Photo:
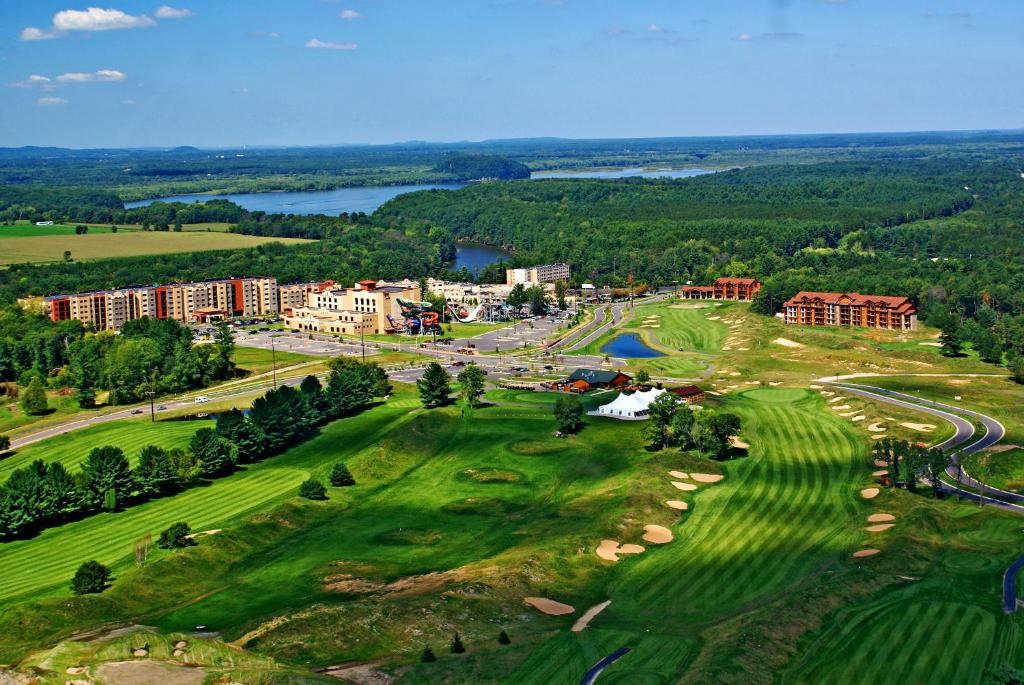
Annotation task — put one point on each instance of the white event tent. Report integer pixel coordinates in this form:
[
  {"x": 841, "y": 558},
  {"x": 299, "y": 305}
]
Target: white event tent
[{"x": 630, "y": 407}]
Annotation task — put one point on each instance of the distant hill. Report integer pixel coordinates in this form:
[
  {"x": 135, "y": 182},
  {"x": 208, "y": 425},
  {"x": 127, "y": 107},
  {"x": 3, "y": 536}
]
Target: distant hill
[{"x": 473, "y": 167}]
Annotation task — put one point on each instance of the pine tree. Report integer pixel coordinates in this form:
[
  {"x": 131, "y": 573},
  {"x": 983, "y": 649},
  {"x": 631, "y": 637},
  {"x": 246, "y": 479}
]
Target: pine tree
[
  {"x": 154, "y": 475},
  {"x": 428, "y": 656},
  {"x": 341, "y": 476},
  {"x": 216, "y": 456},
  {"x": 433, "y": 386},
  {"x": 503, "y": 638},
  {"x": 313, "y": 489},
  {"x": 107, "y": 475},
  {"x": 457, "y": 647}
]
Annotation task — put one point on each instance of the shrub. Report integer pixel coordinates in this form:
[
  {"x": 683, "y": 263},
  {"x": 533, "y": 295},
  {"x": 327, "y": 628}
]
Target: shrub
[
  {"x": 90, "y": 578},
  {"x": 176, "y": 536},
  {"x": 341, "y": 476},
  {"x": 313, "y": 489},
  {"x": 34, "y": 400}
]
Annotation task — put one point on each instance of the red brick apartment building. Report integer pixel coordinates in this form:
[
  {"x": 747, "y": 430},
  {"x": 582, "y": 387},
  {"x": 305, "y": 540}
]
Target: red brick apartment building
[
  {"x": 740, "y": 289},
  {"x": 851, "y": 309}
]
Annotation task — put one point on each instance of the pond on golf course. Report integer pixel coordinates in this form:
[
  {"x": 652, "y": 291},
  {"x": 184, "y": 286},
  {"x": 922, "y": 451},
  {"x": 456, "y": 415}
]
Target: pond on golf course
[{"x": 630, "y": 346}]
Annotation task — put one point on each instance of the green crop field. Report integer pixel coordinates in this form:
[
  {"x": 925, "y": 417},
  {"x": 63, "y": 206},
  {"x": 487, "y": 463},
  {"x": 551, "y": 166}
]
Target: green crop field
[{"x": 100, "y": 245}]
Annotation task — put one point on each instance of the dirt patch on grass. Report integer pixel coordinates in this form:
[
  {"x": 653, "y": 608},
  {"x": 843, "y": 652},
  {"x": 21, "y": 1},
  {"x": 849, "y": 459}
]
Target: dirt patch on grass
[
  {"x": 148, "y": 673},
  {"x": 658, "y": 535},
  {"x": 548, "y": 606},
  {"x": 880, "y": 473},
  {"x": 736, "y": 443},
  {"x": 532, "y": 448},
  {"x": 583, "y": 621},
  {"x": 361, "y": 674}
]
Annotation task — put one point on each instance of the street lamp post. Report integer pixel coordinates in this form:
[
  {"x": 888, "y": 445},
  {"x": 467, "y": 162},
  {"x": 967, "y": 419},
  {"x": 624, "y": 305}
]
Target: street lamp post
[
  {"x": 152, "y": 411},
  {"x": 273, "y": 360}
]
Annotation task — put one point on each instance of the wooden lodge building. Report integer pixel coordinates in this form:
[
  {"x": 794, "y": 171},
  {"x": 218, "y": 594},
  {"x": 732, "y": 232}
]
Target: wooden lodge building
[
  {"x": 850, "y": 309},
  {"x": 739, "y": 289},
  {"x": 582, "y": 380},
  {"x": 688, "y": 393}
]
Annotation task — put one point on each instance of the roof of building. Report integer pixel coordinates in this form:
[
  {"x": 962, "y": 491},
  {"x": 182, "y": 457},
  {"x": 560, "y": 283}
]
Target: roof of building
[
  {"x": 630, "y": 404},
  {"x": 736, "y": 281},
  {"x": 686, "y": 391},
  {"x": 899, "y": 303},
  {"x": 593, "y": 376}
]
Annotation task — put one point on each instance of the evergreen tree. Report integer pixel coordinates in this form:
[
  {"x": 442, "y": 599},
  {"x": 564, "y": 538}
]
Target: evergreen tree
[
  {"x": 428, "y": 656},
  {"x": 456, "y": 646},
  {"x": 313, "y": 489},
  {"x": 341, "y": 476},
  {"x": 234, "y": 427},
  {"x": 108, "y": 476},
  {"x": 314, "y": 395},
  {"x": 60, "y": 495},
  {"x": 569, "y": 413},
  {"x": 951, "y": 338},
  {"x": 90, "y": 578},
  {"x": 221, "y": 361},
  {"x": 33, "y": 400},
  {"x": 176, "y": 536},
  {"x": 471, "y": 382},
  {"x": 433, "y": 386},
  {"x": 5, "y": 443},
  {"x": 216, "y": 456},
  {"x": 503, "y": 638},
  {"x": 154, "y": 475},
  {"x": 351, "y": 386}
]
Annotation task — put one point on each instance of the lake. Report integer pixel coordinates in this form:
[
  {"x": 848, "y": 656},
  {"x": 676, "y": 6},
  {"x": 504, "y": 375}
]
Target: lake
[
  {"x": 629, "y": 346},
  {"x": 475, "y": 257}
]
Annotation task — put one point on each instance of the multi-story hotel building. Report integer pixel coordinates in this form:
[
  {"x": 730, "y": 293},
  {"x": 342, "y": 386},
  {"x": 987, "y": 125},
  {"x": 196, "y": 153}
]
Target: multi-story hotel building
[
  {"x": 297, "y": 294},
  {"x": 545, "y": 273},
  {"x": 185, "y": 302},
  {"x": 740, "y": 289},
  {"x": 851, "y": 309},
  {"x": 370, "y": 307}
]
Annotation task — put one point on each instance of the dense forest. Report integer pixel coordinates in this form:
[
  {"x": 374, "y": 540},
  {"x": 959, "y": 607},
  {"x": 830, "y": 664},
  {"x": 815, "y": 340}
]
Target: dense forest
[{"x": 476, "y": 167}]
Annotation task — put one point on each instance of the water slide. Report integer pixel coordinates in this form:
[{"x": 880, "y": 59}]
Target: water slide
[
  {"x": 420, "y": 317},
  {"x": 463, "y": 315}
]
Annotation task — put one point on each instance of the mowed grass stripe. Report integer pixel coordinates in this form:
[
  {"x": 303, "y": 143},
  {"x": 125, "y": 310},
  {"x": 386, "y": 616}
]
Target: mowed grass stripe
[{"x": 51, "y": 558}]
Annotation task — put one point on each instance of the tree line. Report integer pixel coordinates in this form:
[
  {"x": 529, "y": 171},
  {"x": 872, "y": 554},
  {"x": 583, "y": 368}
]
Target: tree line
[{"x": 44, "y": 494}]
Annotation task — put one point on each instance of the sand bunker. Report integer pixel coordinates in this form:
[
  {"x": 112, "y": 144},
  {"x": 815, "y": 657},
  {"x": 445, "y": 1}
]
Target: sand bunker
[
  {"x": 879, "y": 527},
  {"x": 657, "y": 535},
  {"x": 609, "y": 550},
  {"x": 848, "y": 414},
  {"x": 866, "y": 553},
  {"x": 678, "y": 504},
  {"x": 679, "y": 474},
  {"x": 876, "y": 427},
  {"x": 583, "y": 621},
  {"x": 923, "y": 427},
  {"x": 878, "y": 437},
  {"x": 881, "y": 518},
  {"x": 836, "y": 399},
  {"x": 817, "y": 387},
  {"x": 785, "y": 342},
  {"x": 684, "y": 486},
  {"x": 878, "y": 474},
  {"x": 203, "y": 533},
  {"x": 707, "y": 477},
  {"x": 869, "y": 493},
  {"x": 931, "y": 344},
  {"x": 855, "y": 419},
  {"x": 548, "y": 606},
  {"x": 143, "y": 672},
  {"x": 881, "y": 462},
  {"x": 713, "y": 318},
  {"x": 826, "y": 393},
  {"x": 734, "y": 441},
  {"x": 842, "y": 407}
]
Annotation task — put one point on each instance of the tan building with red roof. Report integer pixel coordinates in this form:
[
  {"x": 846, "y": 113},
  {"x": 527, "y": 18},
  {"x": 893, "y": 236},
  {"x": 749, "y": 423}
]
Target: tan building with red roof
[
  {"x": 739, "y": 289},
  {"x": 851, "y": 309}
]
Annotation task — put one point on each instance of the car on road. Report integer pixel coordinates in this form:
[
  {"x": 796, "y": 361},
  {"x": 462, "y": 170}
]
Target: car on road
[
  {"x": 161, "y": 407},
  {"x": 548, "y": 367},
  {"x": 136, "y": 411},
  {"x": 202, "y": 399},
  {"x": 520, "y": 369},
  {"x": 459, "y": 363}
]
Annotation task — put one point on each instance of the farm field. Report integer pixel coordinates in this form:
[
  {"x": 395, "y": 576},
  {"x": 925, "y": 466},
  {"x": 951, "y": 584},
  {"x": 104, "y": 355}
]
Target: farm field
[{"x": 50, "y": 248}]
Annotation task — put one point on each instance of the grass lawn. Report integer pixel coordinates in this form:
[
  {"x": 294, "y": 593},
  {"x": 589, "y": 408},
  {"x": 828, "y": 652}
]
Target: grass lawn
[
  {"x": 12, "y": 417},
  {"x": 50, "y": 248},
  {"x": 256, "y": 360}
]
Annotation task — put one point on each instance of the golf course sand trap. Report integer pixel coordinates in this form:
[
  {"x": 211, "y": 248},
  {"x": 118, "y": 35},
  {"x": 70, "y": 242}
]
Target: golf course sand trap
[
  {"x": 687, "y": 487},
  {"x": 855, "y": 419},
  {"x": 842, "y": 407},
  {"x": 879, "y": 527},
  {"x": 931, "y": 344},
  {"x": 734, "y": 441},
  {"x": 866, "y": 553},
  {"x": 817, "y": 387},
  {"x": 609, "y": 550},
  {"x": 876, "y": 427},
  {"x": 923, "y": 427},
  {"x": 657, "y": 535},
  {"x": 678, "y": 504},
  {"x": 785, "y": 342},
  {"x": 707, "y": 477},
  {"x": 848, "y": 414},
  {"x": 878, "y": 474},
  {"x": 713, "y": 318},
  {"x": 548, "y": 606},
  {"x": 826, "y": 393},
  {"x": 869, "y": 493},
  {"x": 881, "y": 518},
  {"x": 681, "y": 475},
  {"x": 881, "y": 462},
  {"x": 583, "y": 621},
  {"x": 735, "y": 373},
  {"x": 203, "y": 533},
  {"x": 144, "y": 672},
  {"x": 836, "y": 399},
  {"x": 878, "y": 437}
]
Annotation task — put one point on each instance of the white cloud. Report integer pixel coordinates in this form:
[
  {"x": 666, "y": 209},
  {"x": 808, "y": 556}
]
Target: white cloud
[
  {"x": 744, "y": 36},
  {"x": 317, "y": 44},
  {"x": 168, "y": 12},
  {"x": 51, "y": 102},
  {"x": 654, "y": 28},
  {"x": 32, "y": 33},
  {"x": 90, "y": 19},
  {"x": 101, "y": 76},
  {"x": 350, "y": 14},
  {"x": 36, "y": 78}
]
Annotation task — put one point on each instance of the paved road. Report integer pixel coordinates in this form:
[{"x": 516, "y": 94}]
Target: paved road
[{"x": 604, "y": 663}]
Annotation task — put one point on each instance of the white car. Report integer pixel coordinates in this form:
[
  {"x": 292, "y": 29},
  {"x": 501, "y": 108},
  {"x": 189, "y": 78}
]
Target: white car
[{"x": 202, "y": 399}]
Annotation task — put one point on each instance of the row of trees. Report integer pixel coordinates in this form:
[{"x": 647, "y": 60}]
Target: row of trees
[
  {"x": 46, "y": 494},
  {"x": 910, "y": 463}
]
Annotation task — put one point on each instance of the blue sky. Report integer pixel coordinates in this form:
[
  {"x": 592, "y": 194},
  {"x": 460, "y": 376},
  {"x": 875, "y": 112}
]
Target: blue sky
[{"x": 302, "y": 72}]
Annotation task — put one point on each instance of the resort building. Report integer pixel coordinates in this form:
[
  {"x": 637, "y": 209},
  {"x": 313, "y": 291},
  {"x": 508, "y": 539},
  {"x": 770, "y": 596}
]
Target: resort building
[
  {"x": 739, "y": 289},
  {"x": 586, "y": 379},
  {"x": 297, "y": 294},
  {"x": 546, "y": 273},
  {"x": 688, "y": 393},
  {"x": 851, "y": 309},
  {"x": 369, "y": 307},
  {"x": 185, "y": 302},
  {"x": 469, "y": 293}
]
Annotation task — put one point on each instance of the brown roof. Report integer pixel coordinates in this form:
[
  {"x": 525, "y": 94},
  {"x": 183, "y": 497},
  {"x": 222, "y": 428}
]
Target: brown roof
[
  {"x": 736, "y": 281},
  {"x": 686, "y": 391},
  {"x": 901, "y": 304}
]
